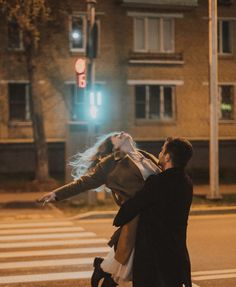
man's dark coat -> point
(161, 257)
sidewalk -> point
(27, 200)
(224, 189)
(23, 206)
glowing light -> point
(76, 35)
(99, 98)
(91, 99)
(226, 107)
(95, 103)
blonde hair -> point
(85, 161)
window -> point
(77, 103)
(154, 102)
(226, 94)
(19, 107)
(225, 2)
(225, 37)
(77, 33)
(15, 41)
(153, 35)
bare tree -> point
(32, 16)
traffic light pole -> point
(214, 106)
(91, 80)
(91, 22)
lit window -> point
(154, 102)
(77, 33)
(19, 103)
(226, 102)
(15, 41)
(225, 37)
(153, 35)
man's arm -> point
(145, 198)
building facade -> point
(151, 72)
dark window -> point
(18, 102)
(14, 37)
(225, 37)
(140, 102)
(77, 103)
(168, 103)
(154, 102)
(225, 2)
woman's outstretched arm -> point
(93, 179)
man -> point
(161, 257)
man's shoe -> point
(98, 273)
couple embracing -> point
(149, 247)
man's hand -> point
(48, 197)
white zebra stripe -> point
(45, 277)
(54, 252)
(36, 224)
(52, 243)
(45, 263)
(46, 236)
(40, 230)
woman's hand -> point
(48, 197)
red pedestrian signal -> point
(81, 80)
(80, 69)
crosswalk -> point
(58, 251)
(47, 251)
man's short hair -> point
(180, 151)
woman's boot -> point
(109, 282)
(98, 273)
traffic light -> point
(92, 42)
(80, 69)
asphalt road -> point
(53, 251)
(211, 243)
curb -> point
(213, 210)
(110, 214)
(95, 215)
(193, 212)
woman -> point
(124, 171)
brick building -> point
(152, 72)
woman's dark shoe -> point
(98, 273)
(109, 282)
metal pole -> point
(91, 80)
(91, 21)
(213, 85)
(91, 62)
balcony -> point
(156, 58)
